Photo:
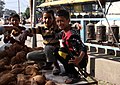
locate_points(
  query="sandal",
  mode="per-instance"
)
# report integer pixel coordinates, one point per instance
(72, 80)
(56, 71)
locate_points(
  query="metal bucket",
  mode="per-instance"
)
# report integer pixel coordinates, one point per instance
(79, 16)
(73, 16)
(101, 33)
(113, 31)
(90, 31)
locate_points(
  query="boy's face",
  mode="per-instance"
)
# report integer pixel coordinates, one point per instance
(48, 19)
(62, 22)
(14, 21)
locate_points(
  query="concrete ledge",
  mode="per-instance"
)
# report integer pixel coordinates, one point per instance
(109, 50)
(105, 69)
(39, 42)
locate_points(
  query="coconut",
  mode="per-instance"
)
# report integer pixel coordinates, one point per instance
(50, 83)
(40, 79)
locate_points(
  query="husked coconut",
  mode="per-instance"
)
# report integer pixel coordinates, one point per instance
(32, 70)
(40, 79)
(20, 57)
(50, 83)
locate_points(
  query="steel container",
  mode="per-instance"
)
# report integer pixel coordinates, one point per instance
(101, 33)
(90, 31)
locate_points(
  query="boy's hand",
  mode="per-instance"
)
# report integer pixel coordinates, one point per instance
(10, 28)
(74, 61)
(23, 37)
(15, 28)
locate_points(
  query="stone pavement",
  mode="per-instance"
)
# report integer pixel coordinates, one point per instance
(60, 79)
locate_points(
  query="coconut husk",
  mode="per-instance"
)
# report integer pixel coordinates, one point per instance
(50, 83)
(6, 78)
(4, 61)
(3, 54)
(32, 70)
(19, 58)
(17, 70)
(40, 79)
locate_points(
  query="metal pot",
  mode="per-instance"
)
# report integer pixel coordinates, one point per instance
(113, 33)
(90, 31)
(101, 33)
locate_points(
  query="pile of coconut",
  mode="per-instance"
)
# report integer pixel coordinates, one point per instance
(14, 69)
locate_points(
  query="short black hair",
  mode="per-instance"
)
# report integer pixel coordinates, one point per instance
(14, 15)
(63, 13)
(50, 12)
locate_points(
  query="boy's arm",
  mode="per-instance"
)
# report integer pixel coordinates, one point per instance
(29, 32)
(4, 29)
(36, 30)
(78, 47)
(78, 59)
